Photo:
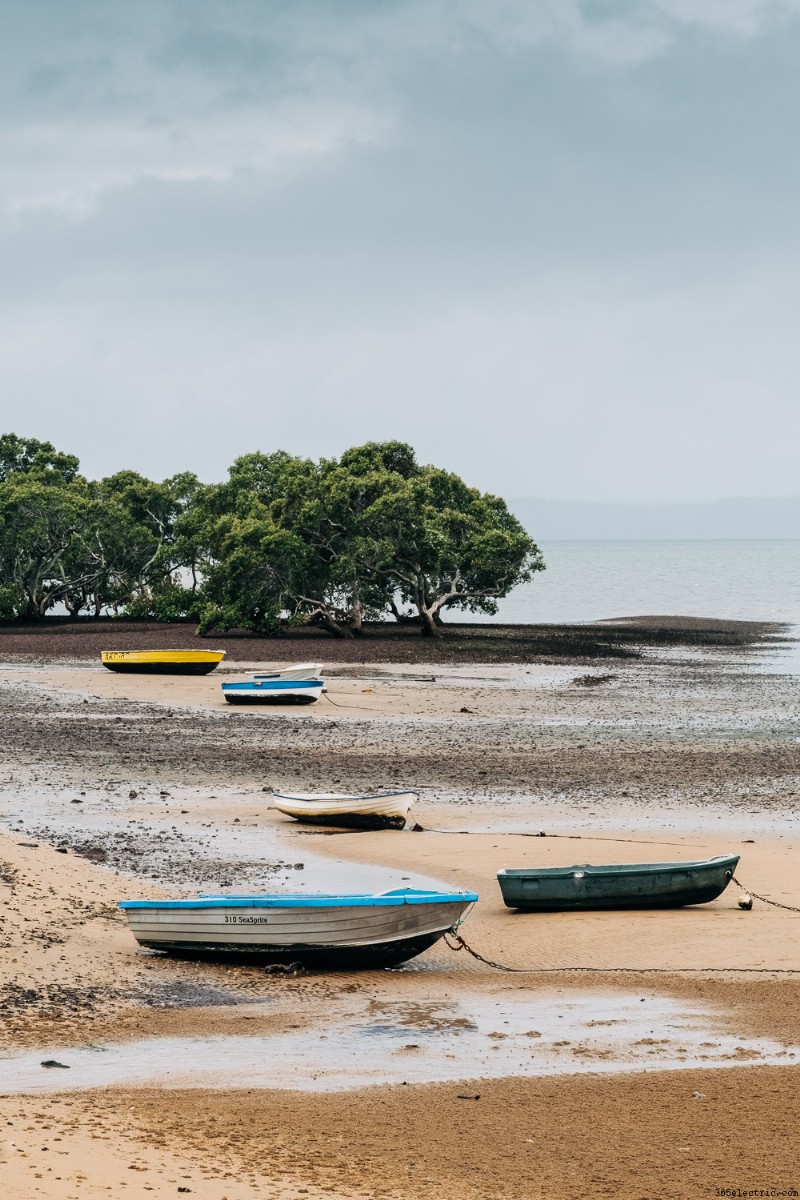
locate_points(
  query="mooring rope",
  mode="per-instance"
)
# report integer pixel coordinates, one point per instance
(764, 899)
(575, 837)
(456, 942)
(461, 944)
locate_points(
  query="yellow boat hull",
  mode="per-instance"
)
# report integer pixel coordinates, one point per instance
(162, 662)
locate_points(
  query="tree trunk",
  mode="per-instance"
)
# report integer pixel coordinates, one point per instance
(324, 618)
(356, 618)
(428, 623)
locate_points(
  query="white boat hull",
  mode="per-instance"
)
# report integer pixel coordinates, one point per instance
(376, 931)
(300, 671)
(273, 691)
(382, 810)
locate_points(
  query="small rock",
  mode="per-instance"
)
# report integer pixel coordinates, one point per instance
(76, 802)
(132, 794)
(465, 709)
(299, 866)
(698, 1095)
(461, 1096)
(52, 1062)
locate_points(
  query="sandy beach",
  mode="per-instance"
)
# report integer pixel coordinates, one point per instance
(645, 1053)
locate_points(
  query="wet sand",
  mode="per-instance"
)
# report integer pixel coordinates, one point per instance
(672, 758)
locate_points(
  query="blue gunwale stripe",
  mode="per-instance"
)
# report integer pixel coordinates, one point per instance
(273, 685)
(318, 901)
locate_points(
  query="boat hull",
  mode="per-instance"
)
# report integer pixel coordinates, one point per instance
(299, 671)
(341, 958)
(383, 811)
(341, 933)
(639, 885)
(162, 662)
(295, 691)
(161, 668)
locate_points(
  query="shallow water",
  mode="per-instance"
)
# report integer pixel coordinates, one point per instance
(527, 1034)
(196, 851)
(594, 580)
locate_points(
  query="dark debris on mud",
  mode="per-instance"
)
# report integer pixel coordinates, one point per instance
(56, 1000)
(465, 642)
(161, 855)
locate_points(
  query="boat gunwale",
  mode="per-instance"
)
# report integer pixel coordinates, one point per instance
(596, 869)
(268, 685)
(390, 899)
(162, 655)
(333, 797)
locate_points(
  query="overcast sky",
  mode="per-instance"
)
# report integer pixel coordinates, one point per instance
(555, 245)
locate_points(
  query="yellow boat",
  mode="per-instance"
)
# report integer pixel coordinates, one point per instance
(163, 662)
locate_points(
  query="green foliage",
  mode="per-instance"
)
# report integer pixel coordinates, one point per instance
(9, 603)
(283, 540)
(171, 602)
(27, 456)
(338, 542)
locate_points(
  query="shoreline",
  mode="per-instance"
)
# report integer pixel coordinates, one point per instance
(697, 751)
(615, 638)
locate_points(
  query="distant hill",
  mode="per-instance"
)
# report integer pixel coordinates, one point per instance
(555, 520)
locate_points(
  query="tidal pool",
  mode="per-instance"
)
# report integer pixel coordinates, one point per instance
(423, 1042)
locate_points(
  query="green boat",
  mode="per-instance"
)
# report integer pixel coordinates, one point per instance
(634, 885)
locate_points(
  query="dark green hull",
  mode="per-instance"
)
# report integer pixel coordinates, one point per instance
(635, 885)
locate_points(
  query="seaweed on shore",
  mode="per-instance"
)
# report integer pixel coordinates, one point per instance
(465, 642)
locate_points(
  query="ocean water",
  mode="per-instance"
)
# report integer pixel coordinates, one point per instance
(591, 581)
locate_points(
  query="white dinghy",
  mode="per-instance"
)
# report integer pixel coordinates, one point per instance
(298, 671)
(326, 931)
(370, 810)
(273, 691)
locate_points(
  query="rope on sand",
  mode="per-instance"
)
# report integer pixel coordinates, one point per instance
(456, 942)
(763, 899)
(575, 837)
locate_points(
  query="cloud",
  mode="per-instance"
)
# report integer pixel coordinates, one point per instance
(590, 384)
(101, 97)
(67, 168)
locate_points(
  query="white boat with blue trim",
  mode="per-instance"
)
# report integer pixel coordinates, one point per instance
(368, 810)
(369, 930)
(273, 691)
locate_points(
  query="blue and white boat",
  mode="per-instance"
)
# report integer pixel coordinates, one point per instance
(376, 930)
(273, 691)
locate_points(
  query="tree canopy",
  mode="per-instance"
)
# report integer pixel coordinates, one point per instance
(369, 536)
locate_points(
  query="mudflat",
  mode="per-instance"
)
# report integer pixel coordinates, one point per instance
(645, 1053)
